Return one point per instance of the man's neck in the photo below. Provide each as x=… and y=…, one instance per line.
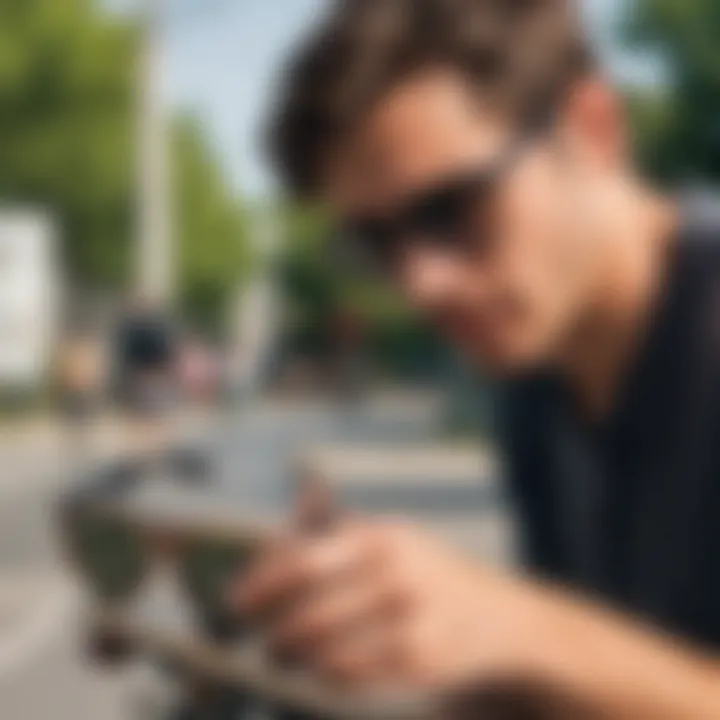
x=631, y=281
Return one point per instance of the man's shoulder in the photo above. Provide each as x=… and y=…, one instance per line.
x=700, y=267
x=700, y=229
x=702, y=210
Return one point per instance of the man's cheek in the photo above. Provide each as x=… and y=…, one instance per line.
x=524, y=337
x=503, y=344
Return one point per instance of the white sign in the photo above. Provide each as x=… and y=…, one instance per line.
x=28, y=297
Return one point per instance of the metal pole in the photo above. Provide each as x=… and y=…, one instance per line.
x=256, y=315
x=154, y=251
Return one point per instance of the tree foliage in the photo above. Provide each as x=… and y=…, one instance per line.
x=66, y=89
x=319, y=284
x=683, y=120
x=68, y=100
x=212, y=228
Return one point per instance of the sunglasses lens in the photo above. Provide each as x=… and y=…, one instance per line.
x=440, y=216
x=110, y=555
x=210, y=569
x=444, y=213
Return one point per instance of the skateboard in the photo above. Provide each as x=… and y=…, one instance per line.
x=221, y=663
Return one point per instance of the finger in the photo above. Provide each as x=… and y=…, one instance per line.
x=364, y=656
x=364, y=599
x=303, y=568
x=273, y=549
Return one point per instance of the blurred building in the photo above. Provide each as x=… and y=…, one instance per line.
x=30, y=292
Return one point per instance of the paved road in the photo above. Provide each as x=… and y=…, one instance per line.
x=42, y=674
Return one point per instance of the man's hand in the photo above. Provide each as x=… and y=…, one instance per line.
x=383, y=603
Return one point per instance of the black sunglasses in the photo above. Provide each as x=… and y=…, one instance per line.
x=437, y=217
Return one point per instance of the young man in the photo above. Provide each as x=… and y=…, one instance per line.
x=474, y=153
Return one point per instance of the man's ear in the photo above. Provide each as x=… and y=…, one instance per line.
x=594, y=123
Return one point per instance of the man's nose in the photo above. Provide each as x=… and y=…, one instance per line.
x=429, y=278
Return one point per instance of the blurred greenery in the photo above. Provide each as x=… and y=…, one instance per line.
x=678, y=125
x=318, y=292
x=66, y=89
x=68, y=76
x=213, y=230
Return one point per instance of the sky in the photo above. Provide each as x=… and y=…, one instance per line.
x=222, y=59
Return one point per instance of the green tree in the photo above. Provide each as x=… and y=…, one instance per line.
x=212, y=228
x=682, y=123
x=68, y=93
x=66, y=102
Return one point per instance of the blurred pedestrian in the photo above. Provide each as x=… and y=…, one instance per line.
x=146, y=352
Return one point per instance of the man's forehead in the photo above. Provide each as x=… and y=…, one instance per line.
x=426, y=127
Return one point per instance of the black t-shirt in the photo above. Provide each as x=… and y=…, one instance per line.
x=630, y=509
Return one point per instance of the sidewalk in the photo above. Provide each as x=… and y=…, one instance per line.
x=35, y=451
x=48, y=425
x=387, y=452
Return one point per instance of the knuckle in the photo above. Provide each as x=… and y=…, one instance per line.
x=311, y=624
x=400, y=539
x=303, y=566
